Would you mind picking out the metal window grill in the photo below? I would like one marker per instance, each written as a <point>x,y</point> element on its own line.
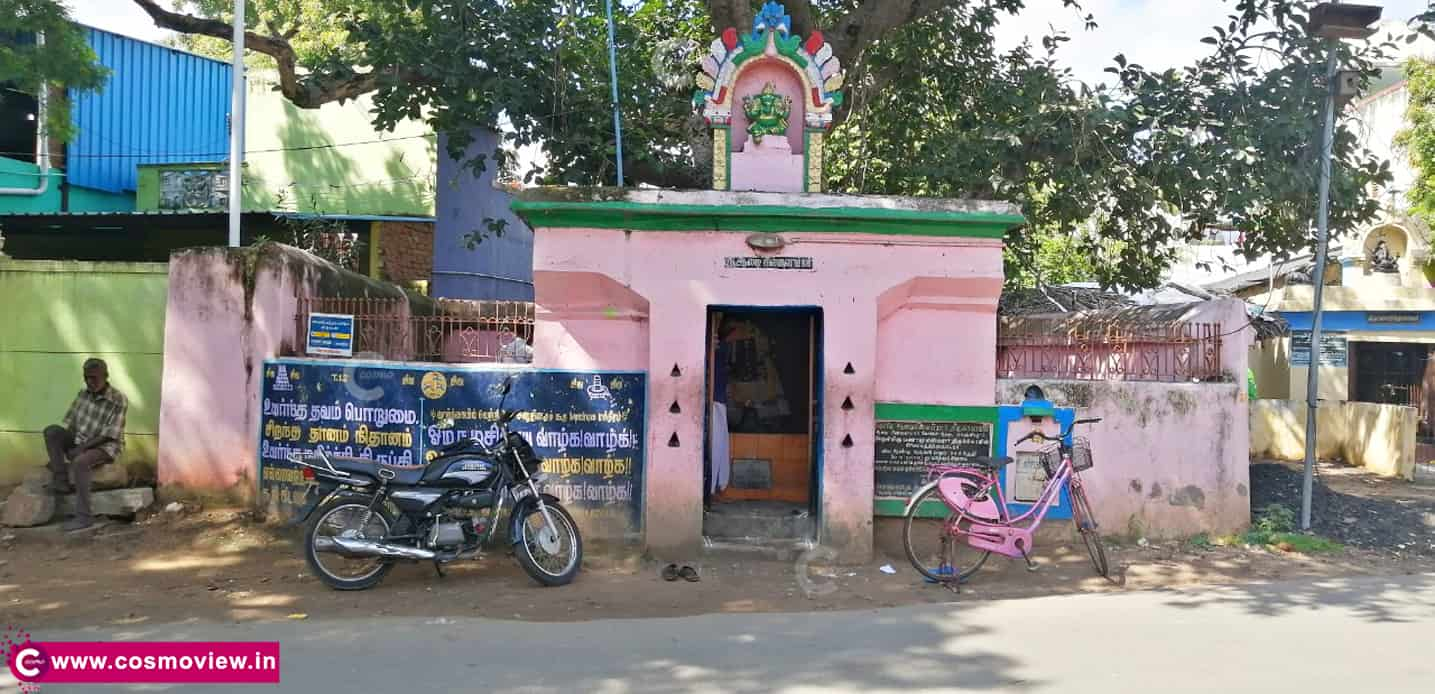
<point>455,331</point>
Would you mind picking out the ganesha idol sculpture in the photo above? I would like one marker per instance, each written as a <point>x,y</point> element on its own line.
<point>787,89</point>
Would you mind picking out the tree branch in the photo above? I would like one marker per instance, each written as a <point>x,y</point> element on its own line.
<point>312,91</point>
<point>649,171</point>
<point>803,23</point>
<point>869,21</point>
<point>277,48</point>
<point>731,13</point>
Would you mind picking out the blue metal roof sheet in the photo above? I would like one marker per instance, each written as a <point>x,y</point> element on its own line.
<point>160,105</point>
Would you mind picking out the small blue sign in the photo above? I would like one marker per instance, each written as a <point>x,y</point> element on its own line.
<point>331,335</point>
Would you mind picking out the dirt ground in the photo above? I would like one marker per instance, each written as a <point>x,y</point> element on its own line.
<point>219,565</point>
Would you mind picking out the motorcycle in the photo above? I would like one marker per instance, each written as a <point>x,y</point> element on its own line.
<point>362,517</point>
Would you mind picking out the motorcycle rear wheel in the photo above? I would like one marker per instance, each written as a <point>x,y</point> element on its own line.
<point>346,512</point>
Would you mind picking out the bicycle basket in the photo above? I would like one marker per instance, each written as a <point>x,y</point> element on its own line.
<point>1081,454</point>
<point>1050,457</point>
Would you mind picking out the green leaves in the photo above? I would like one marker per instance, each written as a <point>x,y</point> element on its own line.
<point>1417,139</point>
<point>64,60</point>
<point>1112,178</point>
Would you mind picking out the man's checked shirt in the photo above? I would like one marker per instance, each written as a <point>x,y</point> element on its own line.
<point>101,415</point>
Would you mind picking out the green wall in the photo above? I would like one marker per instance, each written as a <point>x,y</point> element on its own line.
<point>19,174</point>
<point>331,159</point>
<point>57,314</point>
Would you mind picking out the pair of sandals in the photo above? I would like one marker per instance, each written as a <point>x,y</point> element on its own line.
<point>672,572</point>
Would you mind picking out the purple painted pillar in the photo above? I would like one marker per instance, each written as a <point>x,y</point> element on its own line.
<point>501,267</point>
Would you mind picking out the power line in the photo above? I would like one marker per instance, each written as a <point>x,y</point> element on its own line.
<point>304,148</point>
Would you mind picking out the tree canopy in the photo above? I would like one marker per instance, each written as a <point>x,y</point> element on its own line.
<point>1123,173</point>
<point>1417,139</point>
<point>63,60</point>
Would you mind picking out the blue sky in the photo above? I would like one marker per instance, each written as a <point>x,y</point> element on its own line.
<point>1154,33</point>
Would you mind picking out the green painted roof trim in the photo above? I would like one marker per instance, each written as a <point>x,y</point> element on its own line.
<point>635,216</point>
<point>912,412</point>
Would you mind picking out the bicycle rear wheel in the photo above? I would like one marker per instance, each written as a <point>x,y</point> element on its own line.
<point>1086,525</point>
<point>937,547</point>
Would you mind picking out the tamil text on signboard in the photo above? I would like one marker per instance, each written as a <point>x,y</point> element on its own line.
<point>1392,318</point>
<point>587,427</point>
<point>768,263</point>
<point>331,335</point>
<point>1333,348</point>
<point>907,450</point>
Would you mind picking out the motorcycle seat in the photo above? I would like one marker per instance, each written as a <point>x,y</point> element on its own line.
<point>408,476</point>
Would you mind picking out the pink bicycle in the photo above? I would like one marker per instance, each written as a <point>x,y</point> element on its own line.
<point>971,513</point>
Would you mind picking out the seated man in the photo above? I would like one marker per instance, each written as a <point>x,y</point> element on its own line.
<point>91,434</point>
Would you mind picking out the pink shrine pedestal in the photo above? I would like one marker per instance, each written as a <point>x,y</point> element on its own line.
<point>769,166</point>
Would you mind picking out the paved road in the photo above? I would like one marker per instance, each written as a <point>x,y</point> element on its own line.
<point>1339,636</point>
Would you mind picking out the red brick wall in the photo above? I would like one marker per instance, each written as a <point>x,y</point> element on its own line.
<point>406,251</point>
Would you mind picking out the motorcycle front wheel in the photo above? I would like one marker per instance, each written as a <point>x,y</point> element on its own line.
<point>552,556</point>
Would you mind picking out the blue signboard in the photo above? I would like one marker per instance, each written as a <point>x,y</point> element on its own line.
<point>330,334</point>
<point>1333,348</point>
<point>588,427</point>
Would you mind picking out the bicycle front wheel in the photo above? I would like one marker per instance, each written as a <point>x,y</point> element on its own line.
<point>937,547</point>
<point>1086,525</point>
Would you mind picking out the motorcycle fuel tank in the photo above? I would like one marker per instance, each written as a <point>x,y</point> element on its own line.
<point>470,471</point>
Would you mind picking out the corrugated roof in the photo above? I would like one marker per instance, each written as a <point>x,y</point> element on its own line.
<point>158,106</point>
<point>1153,319</point>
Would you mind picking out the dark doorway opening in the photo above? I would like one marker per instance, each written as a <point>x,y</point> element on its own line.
<point>764,427</point>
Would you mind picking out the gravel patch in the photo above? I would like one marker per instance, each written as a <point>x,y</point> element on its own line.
<point>1383,522</point>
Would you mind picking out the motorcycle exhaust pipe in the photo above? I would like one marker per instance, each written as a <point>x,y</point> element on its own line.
<point>366,548</point>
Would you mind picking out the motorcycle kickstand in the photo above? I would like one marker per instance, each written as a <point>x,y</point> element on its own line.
<point>438,569</point>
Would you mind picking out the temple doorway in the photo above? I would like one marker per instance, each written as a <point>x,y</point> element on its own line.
<point>763,424</point>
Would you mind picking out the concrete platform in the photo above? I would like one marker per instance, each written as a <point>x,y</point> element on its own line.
<point>747,522</point>
<point>122,503</point>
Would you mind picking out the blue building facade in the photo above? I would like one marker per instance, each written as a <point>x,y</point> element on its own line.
<point>498,268</point>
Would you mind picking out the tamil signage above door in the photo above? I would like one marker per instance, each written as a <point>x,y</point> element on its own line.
<point>1333,348</point>
<point>1392,318</point>
<point>768,263</point>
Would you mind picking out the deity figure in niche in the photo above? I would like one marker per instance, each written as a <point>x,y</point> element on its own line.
<point>1381,260</point>
<point>767,113</point>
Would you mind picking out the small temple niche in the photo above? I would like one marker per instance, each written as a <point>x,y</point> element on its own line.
<point>768,98</point>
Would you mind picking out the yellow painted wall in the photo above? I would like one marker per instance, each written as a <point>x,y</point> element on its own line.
<point>1379,438</point>
<point>1334,383</point>
<point>1270,359</point>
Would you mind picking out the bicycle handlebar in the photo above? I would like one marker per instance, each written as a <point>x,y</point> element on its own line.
<point>1042,436</point>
